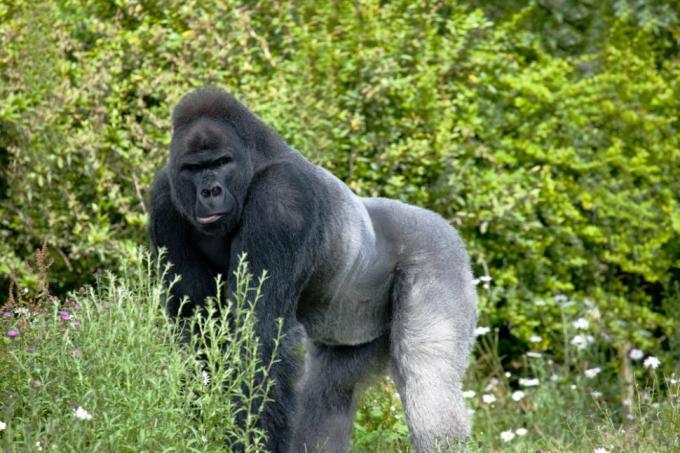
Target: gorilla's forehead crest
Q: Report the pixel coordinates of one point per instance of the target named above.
(206, 103)
(218, 105)
(205, 135)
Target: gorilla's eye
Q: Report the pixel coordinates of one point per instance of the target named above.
(221, 161)
(191, 167)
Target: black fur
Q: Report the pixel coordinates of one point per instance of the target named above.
(373, 281)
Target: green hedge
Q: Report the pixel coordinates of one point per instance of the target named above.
(560, 167)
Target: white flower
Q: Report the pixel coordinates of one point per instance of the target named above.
(592, 372)
(630, 416)
(521, 431)
(469, 394)
(600, 450)
(485, 278)
(596, 394)
(673, 381)
(482, 331)
(529, 382)
(508, 374)
(651, 362)
(507, 436)
(206, 377)
(534, 355)
(581, 323)
(561, 298)
(82, 414)
(517, 395)
(554, 377)
(493, 382)
(38, 446)
(3, 425)
(636, 354)
(535, 339)
(627, 402)
(582, 341)
(594, 313)
(488, 398)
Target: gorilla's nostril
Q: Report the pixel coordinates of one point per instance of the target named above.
(205, 193)
(217, 190)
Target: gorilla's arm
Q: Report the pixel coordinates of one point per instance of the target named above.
(170, 231)
(280, 233)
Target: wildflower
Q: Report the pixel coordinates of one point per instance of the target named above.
(493, 382)
(627, 402)
(507, 436)
(21, 311)
(485, 278)
(560, 298)
(535, 339)
(534, 355)
(596, 394)
(521, 431)
(469, 394)
(64, 315)
(517, 395)
(38, 446)
(651, 362)
(488, 398)
(630, 416)
(7, 314)
(554, 377)
(12, 333)
(3, 425)
(482, 331)
(601, 450)
(594, 313)
(581, 323)
(582, 341)
(636, 354)
(82, 414)
(592, 372)
(673, 381)
(206, 377)
(529, 382)
(508, 374)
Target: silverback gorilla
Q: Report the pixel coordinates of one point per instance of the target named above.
(377, 284)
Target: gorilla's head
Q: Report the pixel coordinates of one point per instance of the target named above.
(211, 165)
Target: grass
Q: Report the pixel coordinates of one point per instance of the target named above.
(103, 371)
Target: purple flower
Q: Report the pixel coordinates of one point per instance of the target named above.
(7, 314)
(75, 323)
(31, 349)
(65, 315)
(12, 333)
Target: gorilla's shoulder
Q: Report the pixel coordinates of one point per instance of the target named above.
(285, 192)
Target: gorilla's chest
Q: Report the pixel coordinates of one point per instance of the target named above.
(349, 305)
(217, 251)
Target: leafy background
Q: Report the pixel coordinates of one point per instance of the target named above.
(546, 131)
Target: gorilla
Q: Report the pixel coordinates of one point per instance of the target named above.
(377, 284)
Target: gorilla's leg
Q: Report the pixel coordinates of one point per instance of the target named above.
(432, 331)
(328, 390)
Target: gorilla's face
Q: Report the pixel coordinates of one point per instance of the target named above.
(210, 171)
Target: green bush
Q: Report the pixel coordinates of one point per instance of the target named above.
(103, 370)
(558, 162)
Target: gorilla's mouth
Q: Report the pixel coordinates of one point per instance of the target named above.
(209, 219)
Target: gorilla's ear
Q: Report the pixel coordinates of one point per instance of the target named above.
(215, 103)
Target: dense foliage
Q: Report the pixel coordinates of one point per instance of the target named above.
(546, 131)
